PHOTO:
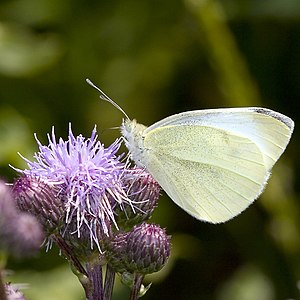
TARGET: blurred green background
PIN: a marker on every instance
(157, 58)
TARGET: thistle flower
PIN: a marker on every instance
(87, 178)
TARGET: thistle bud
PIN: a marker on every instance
(20, 233)
(41, 200)
(144, 250)
(143, 191)
(28, 235)
(148, 248)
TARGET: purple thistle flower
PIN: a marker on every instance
(88, 176)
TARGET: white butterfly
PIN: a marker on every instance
(212, 163)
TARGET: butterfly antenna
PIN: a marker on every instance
(104, 97)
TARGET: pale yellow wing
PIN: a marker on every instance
(211, 173)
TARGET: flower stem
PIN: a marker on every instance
(67, 251)
(109, 282)
(95, 276)
(138, 278)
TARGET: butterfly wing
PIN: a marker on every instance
(214, 163)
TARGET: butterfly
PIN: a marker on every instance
(213, 163)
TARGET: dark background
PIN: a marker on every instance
(157, 58)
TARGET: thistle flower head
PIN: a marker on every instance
(88, 177)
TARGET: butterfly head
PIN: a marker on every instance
(134, 140)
